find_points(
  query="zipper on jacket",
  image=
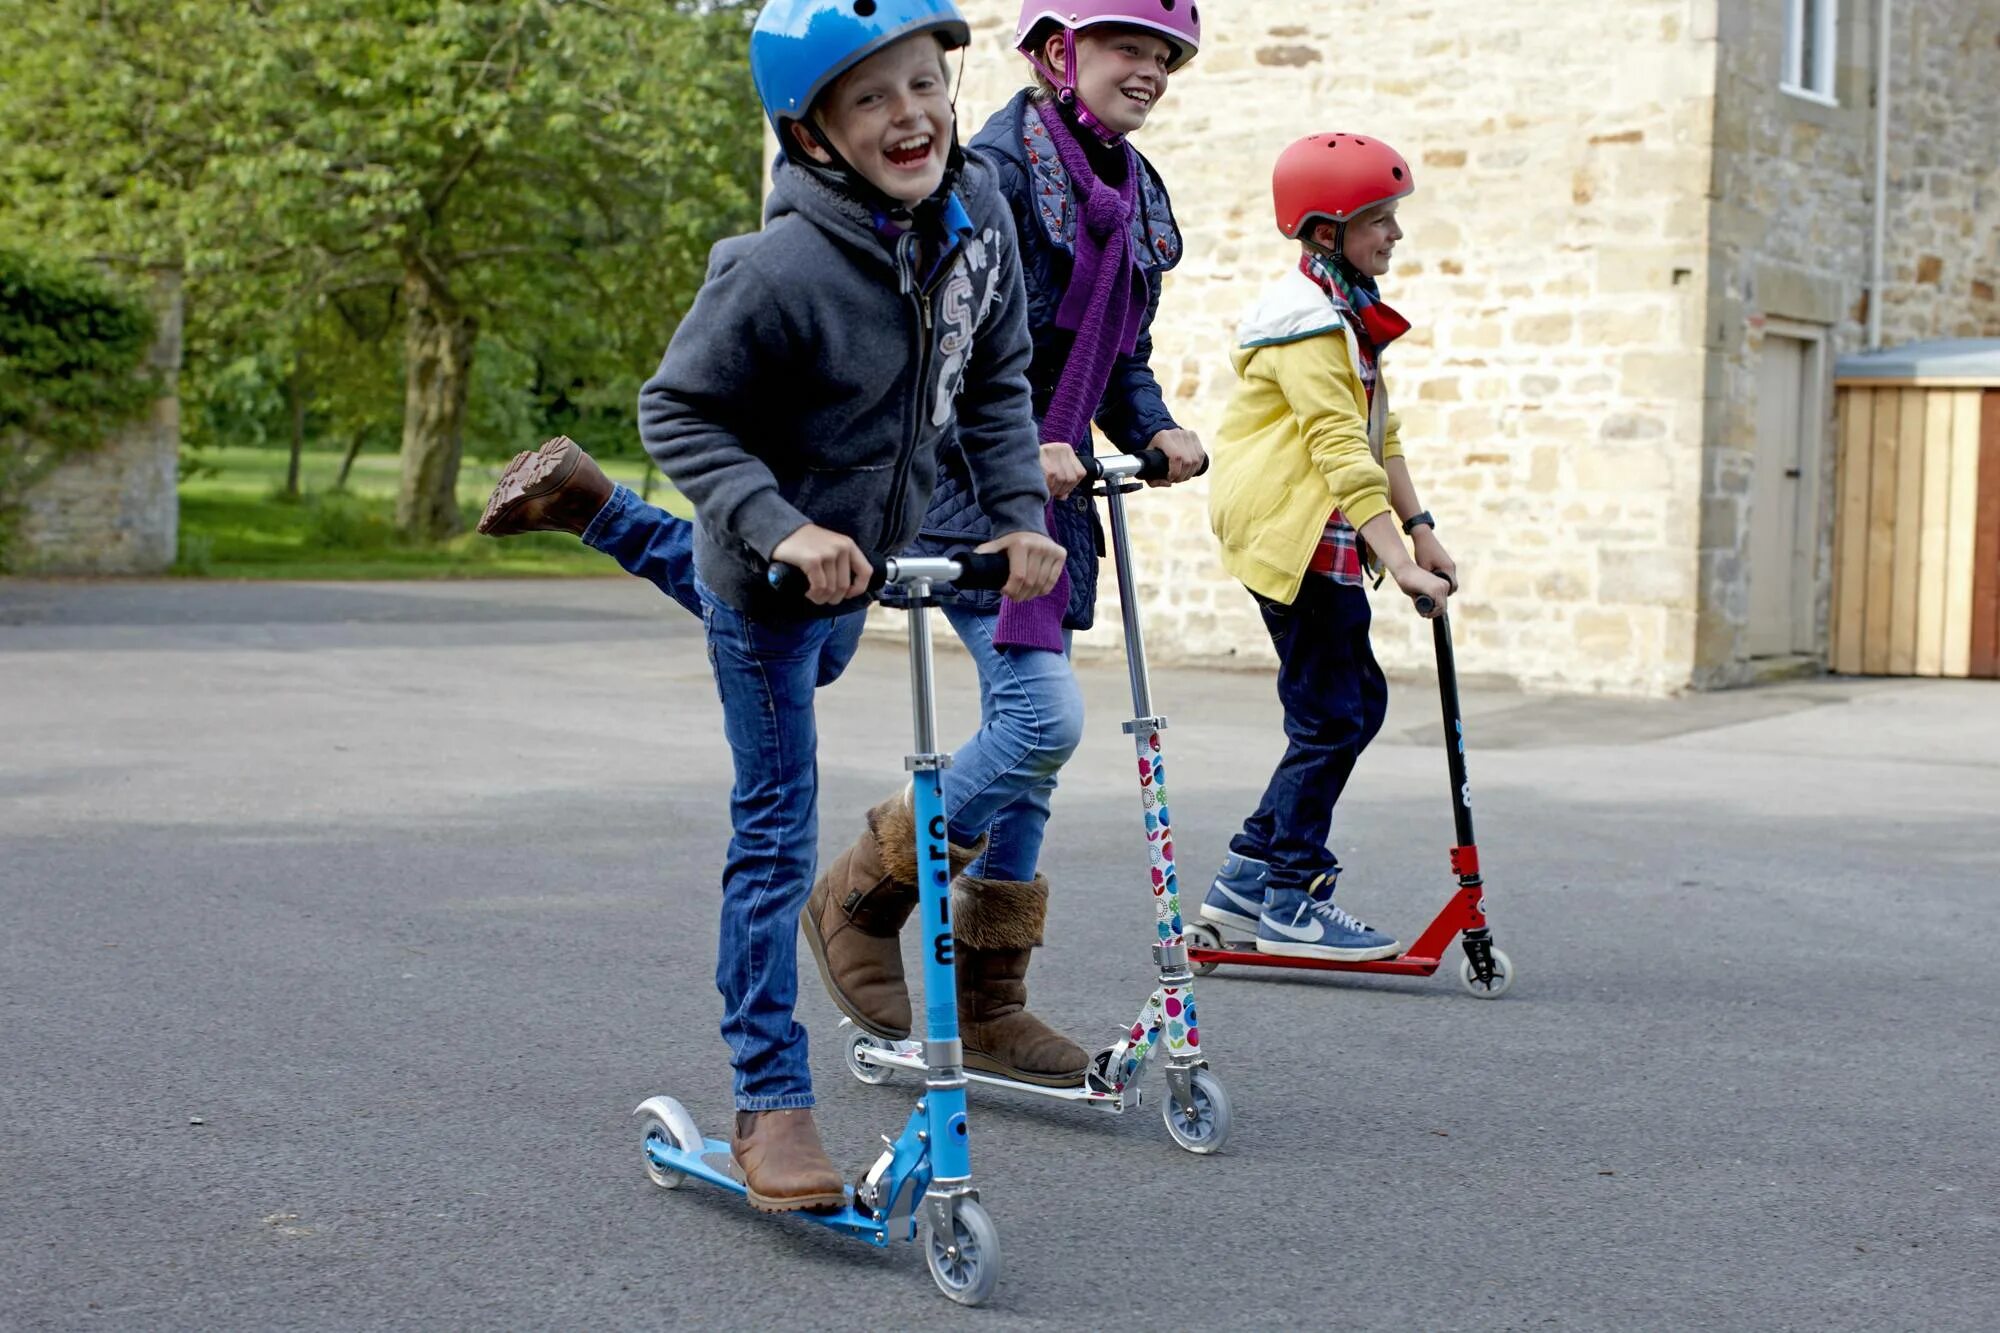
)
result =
(920, 294)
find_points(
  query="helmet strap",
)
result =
(842, 175)
(1066, 94)
(1336, 254)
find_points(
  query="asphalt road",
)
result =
(342, 927)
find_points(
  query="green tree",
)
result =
(551, 173)
(555, 171)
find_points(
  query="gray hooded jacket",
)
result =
(818, 371)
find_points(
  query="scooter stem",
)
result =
(1454, 731)
(923, 673)
(942, 1109)
(1135, 638)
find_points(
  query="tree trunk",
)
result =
(437, 368)
(347, 459)
(298, 396)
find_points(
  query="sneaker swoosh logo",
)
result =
(1303, 934)
(1251, 906)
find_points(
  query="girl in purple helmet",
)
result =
(1096, 234)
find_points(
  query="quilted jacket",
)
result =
(1033, 179)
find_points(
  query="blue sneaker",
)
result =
(1304, 923)
(1236, 896)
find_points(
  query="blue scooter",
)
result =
(923, 1180)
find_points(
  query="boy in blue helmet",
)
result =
(799, 406)
(1102, 66)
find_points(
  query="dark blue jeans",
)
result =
(767, 672)
(1334, 697)
(649, 542)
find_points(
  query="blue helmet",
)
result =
(798, 47)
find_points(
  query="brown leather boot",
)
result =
(998, 924)
(558, 488)
(784, 1165)
(856, 911)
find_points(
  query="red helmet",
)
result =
(1331, 177)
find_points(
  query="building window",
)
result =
(1809, 48)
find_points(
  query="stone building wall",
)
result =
(1792, 224)
(115, 510)
(1555, 267)
(1944, 172)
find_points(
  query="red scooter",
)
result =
(1484, 970)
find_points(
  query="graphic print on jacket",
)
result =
(960, 317)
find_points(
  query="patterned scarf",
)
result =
(1376, 324)
(1105, 306)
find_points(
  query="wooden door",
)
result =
(1782, 531)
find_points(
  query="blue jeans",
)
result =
(649, 542)
(1334, 697)
(1030, 721)
(767, 672)
(1030, 710)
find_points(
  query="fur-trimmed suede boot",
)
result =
(998, 924)
(857, 909)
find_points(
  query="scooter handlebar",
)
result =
(1427, 603)
(1146, 465)
(971, 571)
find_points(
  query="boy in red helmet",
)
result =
(1308, 489)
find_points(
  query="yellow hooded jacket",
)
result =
(1299, 438)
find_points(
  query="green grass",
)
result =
(236, 524)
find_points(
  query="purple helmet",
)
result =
(1178, 21)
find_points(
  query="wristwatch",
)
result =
(1419, 520)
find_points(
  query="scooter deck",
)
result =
(909, 1055)
(1406, 965)
(1465, 911)
(714, 1165)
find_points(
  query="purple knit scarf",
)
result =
(1105, 306)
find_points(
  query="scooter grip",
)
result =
(1426, 604)
(985, 572)
(1153, 466)
(791, 581)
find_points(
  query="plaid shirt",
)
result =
(1339, 554)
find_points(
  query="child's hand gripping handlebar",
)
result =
(1427, 605)
(1146, 465)
(970, 571)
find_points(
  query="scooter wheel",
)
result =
(1206, 1127)
(1203, 936)
(967, 1264)
(865, 1070)
(1503, 977)
(666, 1121)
